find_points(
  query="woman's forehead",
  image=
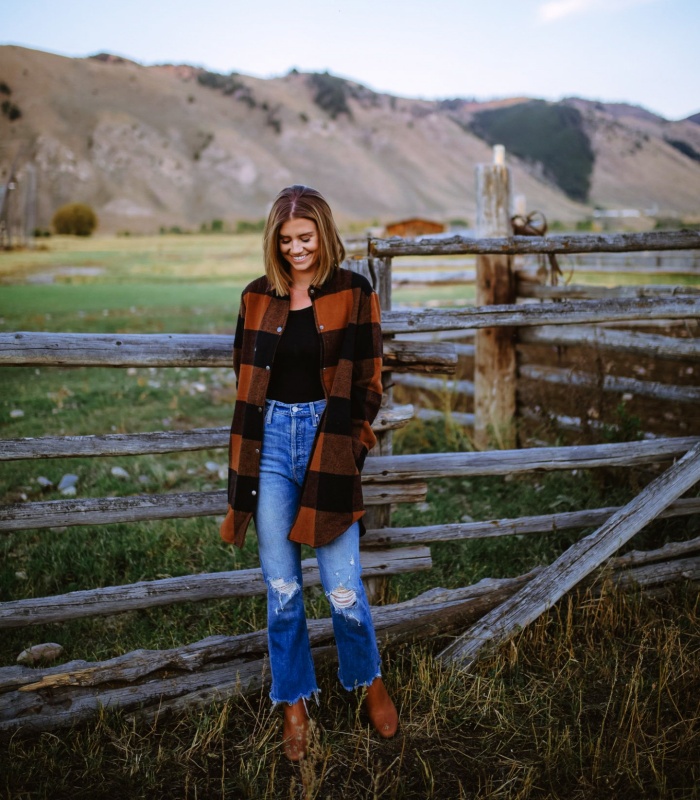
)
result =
(297, 226)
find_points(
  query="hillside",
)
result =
(174, 145)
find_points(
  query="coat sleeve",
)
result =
(226, 529)
(366, 392)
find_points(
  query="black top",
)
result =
(296, 370)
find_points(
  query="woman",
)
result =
(307, 356)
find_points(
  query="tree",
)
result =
(75, 218)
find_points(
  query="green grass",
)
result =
(598, 698)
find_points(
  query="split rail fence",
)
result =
(149, 683)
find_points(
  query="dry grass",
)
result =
(598, 699)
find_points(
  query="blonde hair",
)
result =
(301, 202)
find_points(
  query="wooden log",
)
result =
(689, 259)
(457, 417)
(653, 575)
(183, 350)
(494, 356)
(439, 385)
(581, 292)
(435, 278)
(611, 383)
(575, 564)
(412, 356)
(57, 700)
(386, 479)
(123, 444)
(379, 516)
(647, 345)
(140, 664)
(114, 444)
(565, 313)
(138, 508)
(521, 526)
(34, 712)
(187, 588)
(520, 245)
(147, 350)
(689, 326)
(147, 683)
(410, 264)
(545, 459)
(671, 550)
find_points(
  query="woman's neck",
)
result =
(299, 296)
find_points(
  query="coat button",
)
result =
(320, 327)
(267, 366)
(253, 492)
(257, 450)
(279, 329)
(259, 408)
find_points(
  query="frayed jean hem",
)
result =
(305, 697)
(362, 685)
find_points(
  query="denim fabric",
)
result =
(288, 437)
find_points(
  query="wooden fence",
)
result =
(152, 683)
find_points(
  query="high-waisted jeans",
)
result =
(287, 441)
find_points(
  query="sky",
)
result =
(644, 52)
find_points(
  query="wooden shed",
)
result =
(415, 226)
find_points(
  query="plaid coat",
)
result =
(347, 316)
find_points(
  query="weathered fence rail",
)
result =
(23, 349)
(651, 345)
(152, 683)
(188, 589)
(386, 479)
(145, 507)
(520, 245)
(576, 563)
(124, 444)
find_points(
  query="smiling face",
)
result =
(299, 247)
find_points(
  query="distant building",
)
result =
(415, 226)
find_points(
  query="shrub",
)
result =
(217, 226)
(685, 148)
(331, 93)
(551, 134)
(245, 226)
(77, 219)
(11, 110)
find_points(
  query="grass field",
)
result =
(597, 699)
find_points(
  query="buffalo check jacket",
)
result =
(347, 316)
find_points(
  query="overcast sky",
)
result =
(645, 52)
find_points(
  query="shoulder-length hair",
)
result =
(301, 202)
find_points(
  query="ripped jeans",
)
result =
(287, 440)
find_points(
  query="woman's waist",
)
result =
(305, 409)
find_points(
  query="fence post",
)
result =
(378, 272)
(494, 359)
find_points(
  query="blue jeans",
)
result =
(288, 437)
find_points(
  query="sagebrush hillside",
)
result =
(168, 145)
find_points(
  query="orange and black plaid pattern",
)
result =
(348, 320)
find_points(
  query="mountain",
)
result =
(176, 145)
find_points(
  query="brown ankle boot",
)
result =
(381, 710)
(295, 730)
